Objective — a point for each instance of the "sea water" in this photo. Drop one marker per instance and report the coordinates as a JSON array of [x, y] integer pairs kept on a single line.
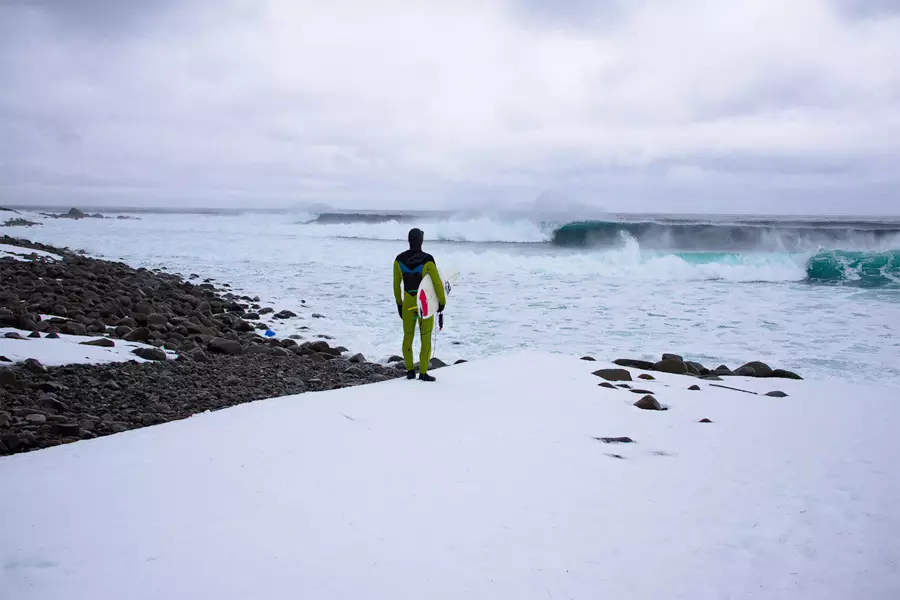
[[820, 297]]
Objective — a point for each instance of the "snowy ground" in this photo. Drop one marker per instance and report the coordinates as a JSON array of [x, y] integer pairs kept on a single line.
[[67, 350], [488, 484]]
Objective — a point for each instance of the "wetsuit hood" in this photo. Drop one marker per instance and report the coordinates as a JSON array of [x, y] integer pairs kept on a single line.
[[416, 237]]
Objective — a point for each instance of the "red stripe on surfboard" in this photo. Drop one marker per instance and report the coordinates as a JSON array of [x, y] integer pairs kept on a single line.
[[424, 300]]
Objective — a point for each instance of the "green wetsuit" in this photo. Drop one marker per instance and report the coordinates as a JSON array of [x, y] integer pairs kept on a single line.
[[410, 268]]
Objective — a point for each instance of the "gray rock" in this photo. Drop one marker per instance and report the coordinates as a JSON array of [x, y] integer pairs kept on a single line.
[[141, 334], [52, 401], [607, 384], [52, 336], [676, 367], [73, 328], [150, 353], [258, 349], [613, 374], [672, 357], [224, 346], [647, 377], [355, 371], [436, 363], [776, 394], [65, 429], [12, 335], [745, 371], [781, 373], [694, 388], [156, 319], [589, 358], [8, 378], [460, 361], [395, 359], [722, 370], [4, 359], [102, 342], [317, 316], [705, 421], [35, 335], [615, 440], [711, 377], [357, 358], [36, 418], [760, 368], [319, 346], [284, 314], [278, 351], [648, 403]]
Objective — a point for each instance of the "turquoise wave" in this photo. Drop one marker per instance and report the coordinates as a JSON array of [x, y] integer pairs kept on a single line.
[[863, 269]]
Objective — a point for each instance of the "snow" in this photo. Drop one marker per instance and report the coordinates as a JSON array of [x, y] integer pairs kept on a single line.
[[67, 350], [486, 484], [19, 253]]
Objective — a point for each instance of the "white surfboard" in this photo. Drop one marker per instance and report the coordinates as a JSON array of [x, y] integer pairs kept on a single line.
[[427, 298]]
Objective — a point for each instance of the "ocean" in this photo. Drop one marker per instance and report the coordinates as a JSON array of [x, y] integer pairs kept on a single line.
[[819, 296]]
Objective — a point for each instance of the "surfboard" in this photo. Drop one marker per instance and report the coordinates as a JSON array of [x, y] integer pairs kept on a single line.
[[427, 298]]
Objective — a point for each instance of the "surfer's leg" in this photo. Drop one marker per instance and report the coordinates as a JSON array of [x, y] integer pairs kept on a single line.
[[409, 331], [425, 328]]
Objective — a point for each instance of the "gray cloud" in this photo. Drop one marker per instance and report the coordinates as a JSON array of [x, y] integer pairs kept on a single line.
[[706, 106]]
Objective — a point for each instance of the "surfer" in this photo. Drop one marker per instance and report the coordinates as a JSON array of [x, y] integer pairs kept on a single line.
[[409, 269]]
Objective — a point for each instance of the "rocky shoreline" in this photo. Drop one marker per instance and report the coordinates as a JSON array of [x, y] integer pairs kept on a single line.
[[223, 355]]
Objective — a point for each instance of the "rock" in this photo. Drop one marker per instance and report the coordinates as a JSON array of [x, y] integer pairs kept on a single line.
[[156, 319], [722, 370], [691, 369], [4, 359], [648, 403], [73, 328], [697, 368], [781, 373], [711, 377], [615, 440], [395, 359], [776, 394], [224, 346], [705, 421], [51, 401], [460, 361], [36, 418], [589, 358], [694, 388], [745, 371], [319, 346], [671, 357], [607, 384], [102, 342], [646, 376], [8, 378], [35, 335], [284, 314], [33, 365], [141, 334], [251, 316], [266, 311], [150, 353], [258, 349], [52, 336], [12, 335], [317, 316], [198, 355], [634, 364], [357, 358], [676, 367], [278, 351], [623, 386], [436, 363], [613, 374], [761, 369], [355, 371]]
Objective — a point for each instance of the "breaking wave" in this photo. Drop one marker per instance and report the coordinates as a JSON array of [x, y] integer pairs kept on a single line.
[[863, 269]]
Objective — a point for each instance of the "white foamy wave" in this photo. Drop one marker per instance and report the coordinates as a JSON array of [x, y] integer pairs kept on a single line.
[[481, 230]]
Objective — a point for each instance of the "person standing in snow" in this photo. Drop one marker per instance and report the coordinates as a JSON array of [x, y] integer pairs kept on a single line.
[[410, 267]]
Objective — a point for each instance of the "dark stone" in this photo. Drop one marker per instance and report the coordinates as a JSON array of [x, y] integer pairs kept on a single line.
[[705, 421], [278, 351], [722, 370], [141, 334], [121, 331], [154, 354], [697, 368], [634, 364], [636, 391], [12, 335], [613, 374], [251, 316], [671, 357], [8, 378], [648, 403], [460, 361], [285, 314], [745, 371], [607, 384], [52, 402], [623, 386], [357, 358], [676, 367], [319, 346], [646, 376], [785, 374], [694, 388], [436, 363], [317, 316], [4, 359], [355, 372], [65, 429], [761, 369], [35, 335], [589, 358], [102, 342], [73, 328], [156, 319], [691, 369], [36, 418], [615, 440], [395, 359], [224, 346], [776, 394], [52, 336]]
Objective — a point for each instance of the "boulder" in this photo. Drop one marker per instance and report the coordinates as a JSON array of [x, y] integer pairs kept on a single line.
[[8, 378], [102, 342], [395, 359], [33, 365], [648, 403], [589, 358], [613, 374], [694, 388], [156, 319], [34, 335], [278, 351], [761, 369], [12, 335], [644, 365], [436, 363], [722, 370], [672, 357], [150, 353], [285, 314], [357, 358], [776, 394], [223, 346], [51, 401], [36, 418], [646, 376], [73, 328], [745, 371], [697, 368], [52, 336], [676, 367], [460, 361]]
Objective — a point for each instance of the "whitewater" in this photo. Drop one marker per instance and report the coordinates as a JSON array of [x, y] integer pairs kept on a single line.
[[819, 298]]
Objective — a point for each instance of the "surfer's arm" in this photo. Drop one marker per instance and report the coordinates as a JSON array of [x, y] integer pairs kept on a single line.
[[431, 269], [398, 280]]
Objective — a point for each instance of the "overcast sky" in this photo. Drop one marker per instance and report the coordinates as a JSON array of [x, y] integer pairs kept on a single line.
[[699, 105]]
